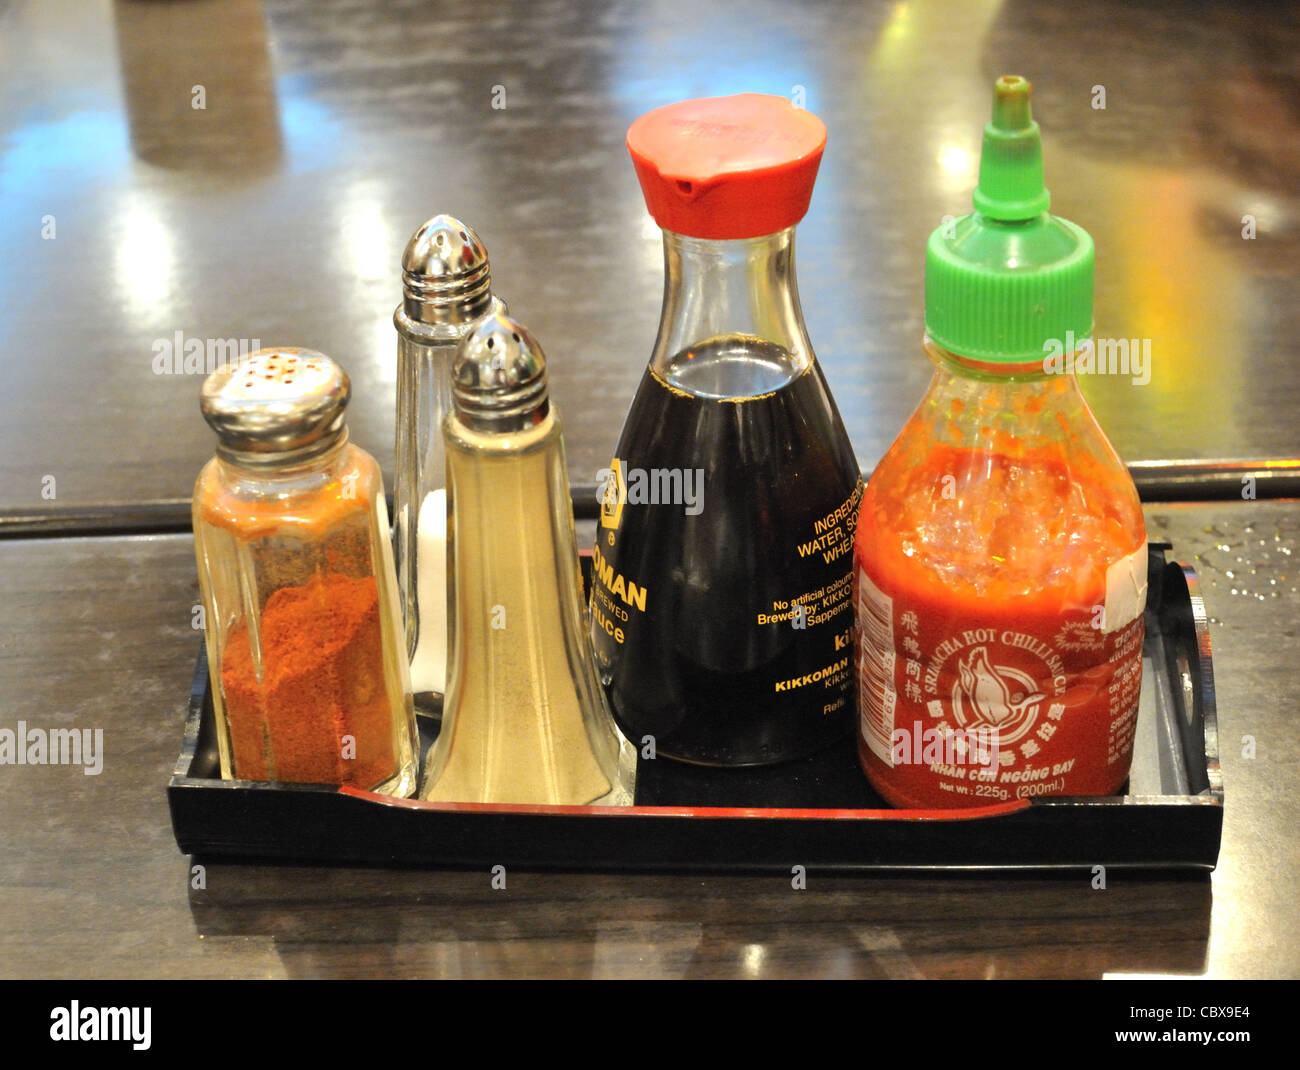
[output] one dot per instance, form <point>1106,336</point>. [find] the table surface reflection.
<point>136,222</point>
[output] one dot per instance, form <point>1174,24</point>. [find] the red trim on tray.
<point>971,814</point>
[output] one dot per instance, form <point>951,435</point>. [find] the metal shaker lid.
<point>446,277</point>
<point>277,406</point>
<point>498,379</point>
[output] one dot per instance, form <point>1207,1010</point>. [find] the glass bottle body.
<point>303,631</point>
<point>424,356</point>
<point>1000,581</point>
<point>720,604</point>
<point>524,719</point>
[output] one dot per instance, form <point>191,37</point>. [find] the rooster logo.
<point>999,696</point>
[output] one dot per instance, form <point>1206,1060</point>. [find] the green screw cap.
<point>1002,281</point>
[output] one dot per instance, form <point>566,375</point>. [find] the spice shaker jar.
<point>304,638</point>
<point>525,719</point>
<point>446,290</point>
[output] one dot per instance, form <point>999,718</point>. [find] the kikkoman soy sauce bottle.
<point>1001,553</point>
<point>721,593</point>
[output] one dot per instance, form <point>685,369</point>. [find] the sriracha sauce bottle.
<point>1000,555</point>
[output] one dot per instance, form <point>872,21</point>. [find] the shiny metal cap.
<point>446,279</point>
<point>277,406</point>
<point>498,380</point>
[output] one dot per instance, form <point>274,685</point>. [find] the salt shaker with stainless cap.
<point>303,630</point>
<point>446,291</point>
<point>525,719</point>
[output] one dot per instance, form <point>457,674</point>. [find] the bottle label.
<point>722,574</point>
<point>1126,591</point>
<point>1011,705</point>
<point>876,668</point>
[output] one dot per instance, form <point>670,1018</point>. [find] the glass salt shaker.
<point>304,638</point>
<point>525,719</point>
<point>446,290</point>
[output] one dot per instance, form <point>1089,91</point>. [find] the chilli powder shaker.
<point>304,639</point>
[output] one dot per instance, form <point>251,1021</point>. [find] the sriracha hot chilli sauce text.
<point>1000,554</point>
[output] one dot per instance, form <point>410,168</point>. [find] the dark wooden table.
<point>96,633</point>
<point>278,212</point>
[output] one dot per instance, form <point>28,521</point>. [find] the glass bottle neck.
<point>290,477</point>
<point>731,324</point>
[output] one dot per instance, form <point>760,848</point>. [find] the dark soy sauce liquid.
<point>695,669</point>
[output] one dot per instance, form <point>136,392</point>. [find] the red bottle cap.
<point>727,167</point>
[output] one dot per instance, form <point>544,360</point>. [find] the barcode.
<point>876,695</point>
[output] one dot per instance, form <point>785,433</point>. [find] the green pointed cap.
<point>1009,277</point>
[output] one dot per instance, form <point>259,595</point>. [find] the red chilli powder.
<point>323,680</point>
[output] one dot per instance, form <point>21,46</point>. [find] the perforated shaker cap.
<point>446,278</point>
<point>278,406</point>
<point>498,379</point>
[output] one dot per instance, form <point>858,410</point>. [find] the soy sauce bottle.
<point>721,594</point>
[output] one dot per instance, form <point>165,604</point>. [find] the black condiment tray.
<point>819,813</point>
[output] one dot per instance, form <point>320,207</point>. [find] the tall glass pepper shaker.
<point>720,601</point>
<point>304,639</point>
<point>525,719</point>
<point>446,290</point>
